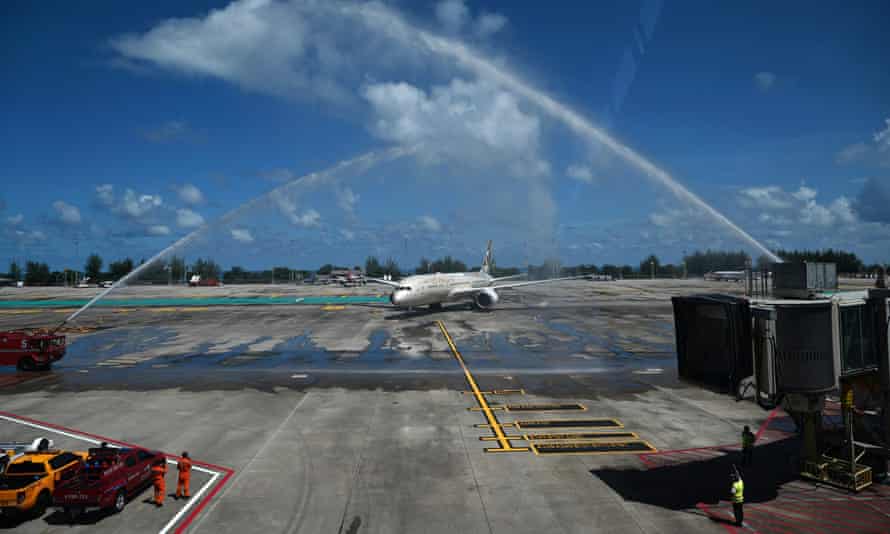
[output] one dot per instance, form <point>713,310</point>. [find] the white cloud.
<point>190,194</point>
<point>582,173</point>
<point>765,80</point>
<point>452,14</point>
<point>187,218</point>
<point>67,213</point>
<point>490,23</point>
<point>771,197</point>
<point>135,205</point>
<point>473,122</point>
<point>346,198</point>
<point>15,220</point>
<point>804,193</point>
<point>170,131</point>
<point>816,214</point>
<point>843,209</point>
<point>428,222</point>
<point>288,208</point>
<point>158,230</point>
<point>288,49</point>
<point>105,194</point>
<point>348,235</point>
<point>242,235</point>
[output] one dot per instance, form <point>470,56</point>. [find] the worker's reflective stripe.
<point>738,491</point>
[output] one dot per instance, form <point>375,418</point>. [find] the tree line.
<point>175,269</point>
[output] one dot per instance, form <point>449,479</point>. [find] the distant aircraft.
<point>725,276</point>
<point>433,290</point>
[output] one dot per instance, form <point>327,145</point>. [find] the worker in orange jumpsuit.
<point>185,474</point>
<point>158,471</point>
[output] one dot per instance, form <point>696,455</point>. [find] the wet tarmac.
<point>354,418</point>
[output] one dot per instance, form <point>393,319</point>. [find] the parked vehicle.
<point>30,479</point>
<point>109,478</point>
<point>31,351</point>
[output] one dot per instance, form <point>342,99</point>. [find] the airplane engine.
<point>486,299</point>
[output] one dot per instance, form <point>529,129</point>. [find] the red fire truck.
<point>31,351</point>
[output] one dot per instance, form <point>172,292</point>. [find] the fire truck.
<point>31,351</point>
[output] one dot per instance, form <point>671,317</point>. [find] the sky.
<point>556,131</point>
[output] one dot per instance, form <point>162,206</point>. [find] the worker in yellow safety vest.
<point>738,498</point>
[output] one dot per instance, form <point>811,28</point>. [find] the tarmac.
<point>355,418</point>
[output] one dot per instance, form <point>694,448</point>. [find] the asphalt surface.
<point>355,418</point>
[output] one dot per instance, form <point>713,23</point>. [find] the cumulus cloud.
<point>882,142</point>
<point>474,122</point>
<point>764,80</point>
<point>804,193</point>
<point>158,230</point>
<point>187,218</point>
<point>764,197</point>
<point>428,222</point>
<point>242,235</point>
<point>348,235</point>
<point>190,194</point>
<point>288,208</point>
<point>131,204</point>
<point>15,220</point>
<point>66,213</point>
<point>582,173</point>
<point>290,49</point>
<point>105,194</point>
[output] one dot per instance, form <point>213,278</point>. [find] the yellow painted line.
<point>494,438</point>
<point>333,308</point>
<point>568,423</point>
<point>582,435</point>
<point>505,445</point>
<point>534,447</point>
<point>494,408</point>
<point>569,407</point>
<point>498,392</point>
<point>498,424</point>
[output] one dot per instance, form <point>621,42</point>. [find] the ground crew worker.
<point>738,498</point>
<point>158,471</point>
<point>185,474</point>
<point>747,446</point>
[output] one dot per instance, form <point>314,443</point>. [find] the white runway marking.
<point>214,475</point>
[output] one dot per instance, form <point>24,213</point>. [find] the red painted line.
<point>766,423</point>
<point>766,523</point>
<point>184,524</point>
<point>206,500</point>
<point>732,529</point>
<point>839,513</point>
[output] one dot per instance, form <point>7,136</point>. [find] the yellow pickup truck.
<point>29,480</point>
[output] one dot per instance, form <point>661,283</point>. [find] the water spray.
<point>363,162</point>
<point>395,26</point>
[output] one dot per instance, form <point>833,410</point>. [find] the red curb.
<point>184,524</point>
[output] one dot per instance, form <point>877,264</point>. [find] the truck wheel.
<point>120,500</point>
<point>26,364</point>
<point>44,500</point>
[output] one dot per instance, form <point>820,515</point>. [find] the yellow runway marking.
<point>333,308</point>
<point>501,438</point>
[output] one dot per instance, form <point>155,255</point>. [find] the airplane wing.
<point>382,281</point>
<point>511,277</point>
<point>466,291</point>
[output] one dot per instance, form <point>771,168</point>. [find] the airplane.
<point>435,289</point>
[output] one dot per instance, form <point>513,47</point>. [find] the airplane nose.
<point>392,298</point>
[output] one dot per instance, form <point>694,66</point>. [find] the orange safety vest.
<point>185,467</point>
<point>158,472</point>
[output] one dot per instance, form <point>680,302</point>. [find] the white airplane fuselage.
<point>438,288</point>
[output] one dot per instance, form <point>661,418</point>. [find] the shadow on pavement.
<point>680,486</point>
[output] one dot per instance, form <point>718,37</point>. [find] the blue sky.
<point>127,127</point>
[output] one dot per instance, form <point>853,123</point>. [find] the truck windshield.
<point>26,468</point>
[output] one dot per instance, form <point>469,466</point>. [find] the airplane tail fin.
<point>487,260</point>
